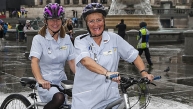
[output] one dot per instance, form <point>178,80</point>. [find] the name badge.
<point>63,47</point>
<point>108,52</point>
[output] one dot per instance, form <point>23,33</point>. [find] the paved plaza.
<point>173,91</point>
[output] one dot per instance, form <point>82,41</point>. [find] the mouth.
<point>96,29</point>
<point>55,27</point>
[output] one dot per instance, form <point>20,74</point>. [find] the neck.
<point>98,40</point>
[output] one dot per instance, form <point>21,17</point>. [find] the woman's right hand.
<point>45,84</point>
<point>116,79</point>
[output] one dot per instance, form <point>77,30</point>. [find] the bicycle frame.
<point>35,103</point>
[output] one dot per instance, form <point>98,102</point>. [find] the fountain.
<point>133,12</point>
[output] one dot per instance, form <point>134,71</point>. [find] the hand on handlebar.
<point>45,84</point>
<point>114,76</point>
<point>150,77</point>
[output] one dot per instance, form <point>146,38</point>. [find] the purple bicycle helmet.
<point>53,10</point>
<point>92,8</point>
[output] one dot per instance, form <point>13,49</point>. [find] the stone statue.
<point>137,7</point>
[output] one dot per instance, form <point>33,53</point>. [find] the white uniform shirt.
<point>52,56</point>
<point>92,90</point>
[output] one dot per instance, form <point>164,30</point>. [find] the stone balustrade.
<point>188,43</point>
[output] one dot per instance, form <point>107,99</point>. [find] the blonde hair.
<point>42,31</point>
<point>67,22</point>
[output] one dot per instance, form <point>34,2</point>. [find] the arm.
<point>91,65</point>
<point>37,74</point>
<point>72,65</point>
<point>140,65</point>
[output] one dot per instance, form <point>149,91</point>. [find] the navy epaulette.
<point>83,36</point>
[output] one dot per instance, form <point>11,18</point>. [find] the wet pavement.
<point>174,90</point>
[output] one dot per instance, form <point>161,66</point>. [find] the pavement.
<point>173,91</point>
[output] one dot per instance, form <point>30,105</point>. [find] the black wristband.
<point>143,71</point>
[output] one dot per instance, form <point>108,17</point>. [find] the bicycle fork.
<point>126,100</point>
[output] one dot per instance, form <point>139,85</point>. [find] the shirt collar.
<point>106,38</point>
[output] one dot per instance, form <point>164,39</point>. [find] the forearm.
<point>71,64</point>
<point>91,65</point>
<point>140,65</point>
<point>36,69</point>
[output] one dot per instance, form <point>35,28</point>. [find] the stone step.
<point>132,21</point>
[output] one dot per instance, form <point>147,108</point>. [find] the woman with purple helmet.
<point>97,57</point>
<point>50,49</point>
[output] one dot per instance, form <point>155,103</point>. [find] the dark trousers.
<point>147,55</point>
<point>21,36</point>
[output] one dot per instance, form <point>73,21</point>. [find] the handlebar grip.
<point>112,76</point>
<point>157,77</point>
<point>51,85</point>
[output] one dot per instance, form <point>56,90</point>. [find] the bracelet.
<point>143,71</point>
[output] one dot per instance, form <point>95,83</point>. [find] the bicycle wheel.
<point>15,101</point>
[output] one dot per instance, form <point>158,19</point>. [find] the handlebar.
<point>127,82</point>
<point>65,91</point>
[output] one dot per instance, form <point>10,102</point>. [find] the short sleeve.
<point>81,49</point>
<point>129,54</point>
<point>36,48</point>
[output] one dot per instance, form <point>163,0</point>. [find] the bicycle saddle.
<point>67,84</point>
<point>28,81</point>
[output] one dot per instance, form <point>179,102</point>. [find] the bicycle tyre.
<point>15,100</point>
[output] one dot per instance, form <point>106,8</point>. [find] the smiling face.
<point>95,23</point>
<point>54,24</point>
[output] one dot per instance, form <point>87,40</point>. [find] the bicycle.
<point>17,100</point>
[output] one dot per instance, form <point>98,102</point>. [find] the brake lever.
<point>155,78</point>
<point>153,84</point>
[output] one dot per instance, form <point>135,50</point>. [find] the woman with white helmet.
<point>51,48</point>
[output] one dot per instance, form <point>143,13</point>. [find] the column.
<point>44,2</point>
<point>98,1</point>
<point>188,51</point>
<point>71,2</point>
<point>89,1</point>
<point>52,1</point>
<point>80,2</point>
<point>131,37</point>
<point>109,2</point>
<point>61,2</point>
<point>36,2</point>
